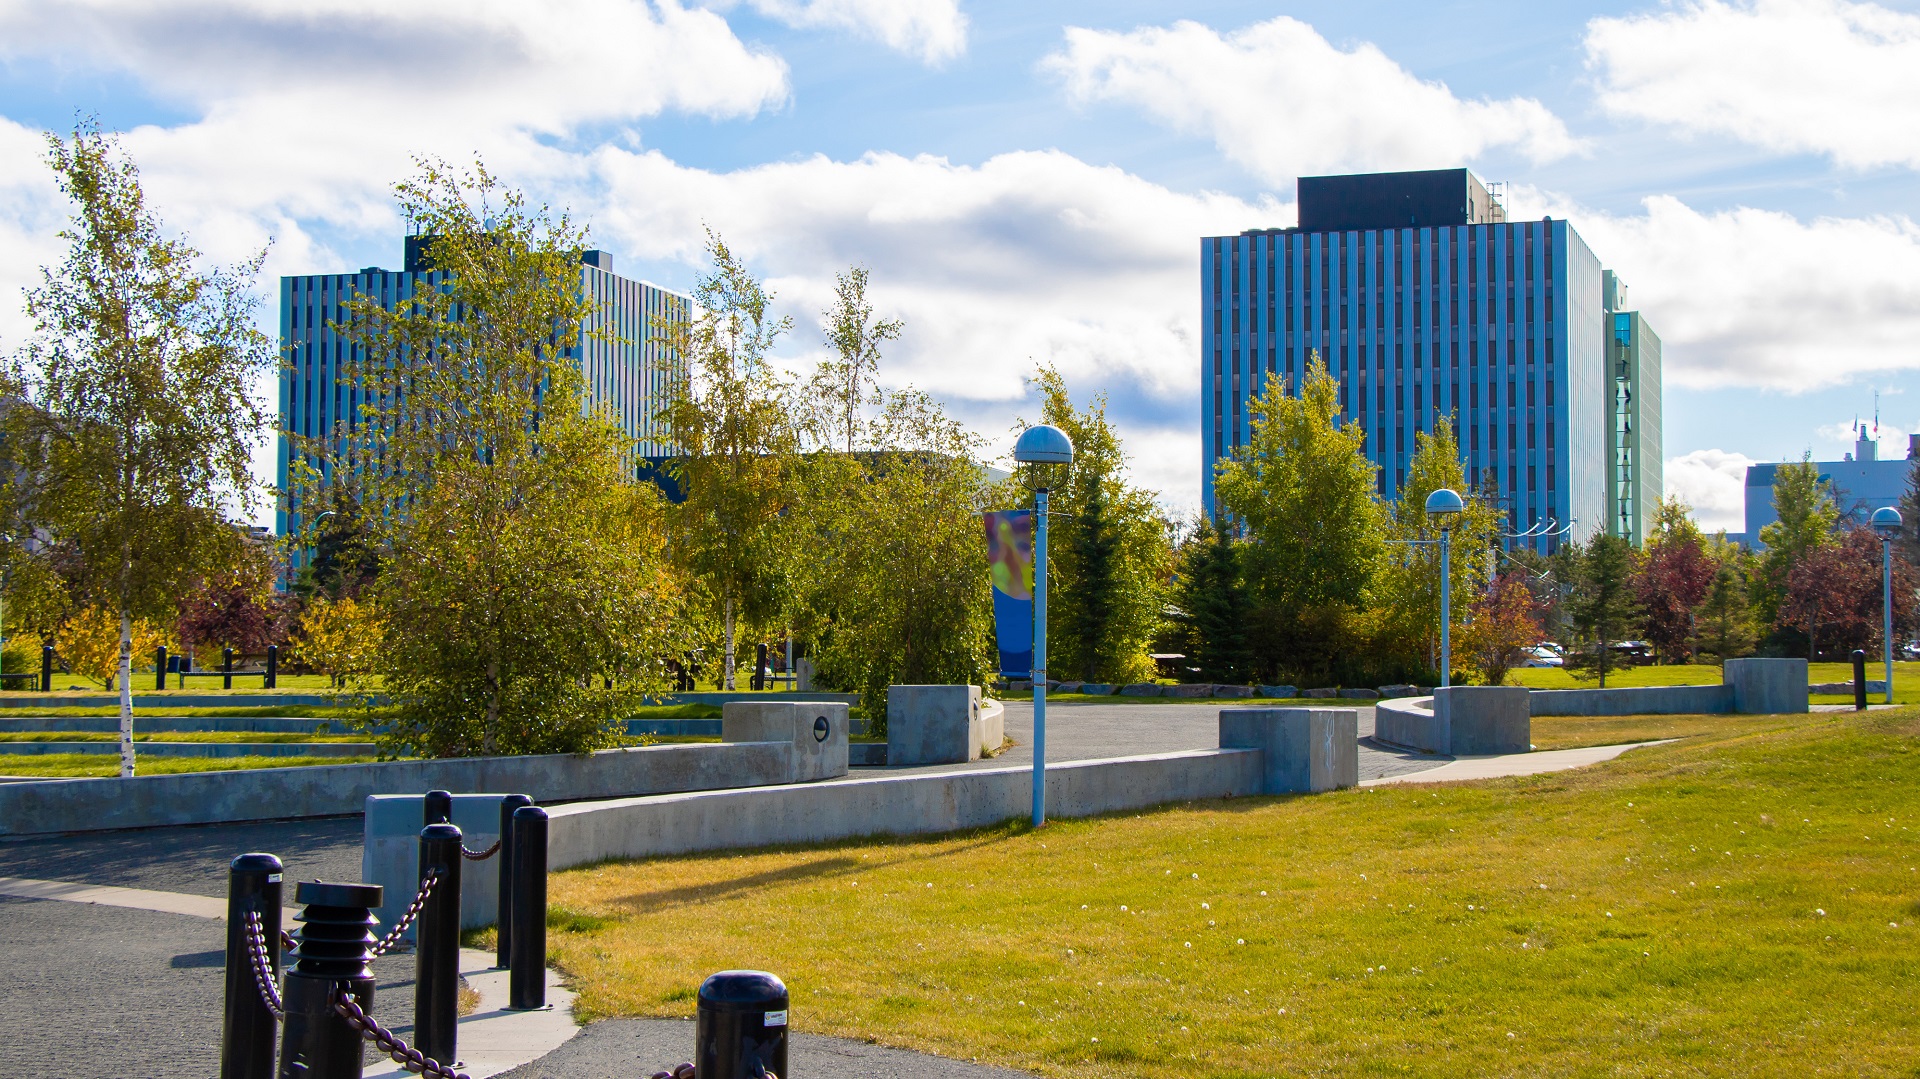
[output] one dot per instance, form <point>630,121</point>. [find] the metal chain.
<point>287,941</point>
<point>391,1044</point>
<point>413,911</point>
<point>262,971</point>
<point>687,1071</point>
<point>480,855</point>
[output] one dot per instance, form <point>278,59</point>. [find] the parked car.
<point>1545,655</point>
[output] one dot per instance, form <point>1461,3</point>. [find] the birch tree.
<point>136,429</point>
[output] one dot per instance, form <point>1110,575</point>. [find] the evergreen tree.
<point>1723,625</point>
<point>1094,551</point>
<point>1806,515</point>
<point>1212,596</point>
<point>1601,604</point>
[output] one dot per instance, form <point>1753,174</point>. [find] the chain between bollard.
<point>413,911</point>
<point>262,972</point>
<point>480,855</point>
<point>391,1044</point>
<point>684,1071</point>
<point>288,942</point>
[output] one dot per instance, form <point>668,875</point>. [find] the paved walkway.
<point>1461,769</point>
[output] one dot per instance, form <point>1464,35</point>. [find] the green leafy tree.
<point>1407,591</point>
<point>1304,491</point>
<point>1601,604</point>
<point>1216,610</point>
<point>896,589</point>
<point>135,428</point>
<point>847,383</point>
<point>1110,557</point>
<point>524,577</point>
<point>1806,515</point>
<point>730,418</point>
<point>1503,625</point>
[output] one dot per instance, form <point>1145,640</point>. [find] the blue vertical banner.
<point>1010,562</point>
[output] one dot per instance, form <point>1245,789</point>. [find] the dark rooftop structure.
<point>1395,200</point>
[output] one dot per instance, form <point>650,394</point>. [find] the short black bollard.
<point>246,1037</point>
<point>437,809</point>
<point>436,994</point>
<point>226,668</point>
<point>273,666</point>
<point>527,959</point>
<point>160,667</point>
<point>503,914</point>
<point>741,1028</point>
<point>46,668</point>
<point>1859,680</point>
<point>336,943</point>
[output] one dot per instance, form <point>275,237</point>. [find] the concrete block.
<point>993,726</point>
<point>1410,722</point>
<point>816,731</point>
<point>867,754</point>
<point>1141,689</point>
<point>1360,694</point>
<point>1874,685</point>
<point>390,856</point>
<point>1321,694</point>
<point>1190,689</point>
<point>1233,691</point>
<point>1767,686</point>
<point>1303,749</point>
<point>1098,689</point>
<point>933,725</point>
<point>1633,701</point>
<point>1482,720</point>
<point>1278,693</point>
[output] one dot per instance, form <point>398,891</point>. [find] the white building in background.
<point>1861,483</point>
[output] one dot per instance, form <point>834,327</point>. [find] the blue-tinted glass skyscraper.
<point>1423,300</point>
<point>625,367</point>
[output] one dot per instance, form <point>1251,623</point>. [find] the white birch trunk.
<point>126,695</point>
<point>727,619</point>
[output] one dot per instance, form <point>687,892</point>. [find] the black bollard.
<point>436,994</point>
<point>740,1031</point>
<point>246,1037</point>
<point>1859,680</point>
<point>527,959</point>
<point>273,666</point>
<point>438,808</point>
<point>160,667</point>
<point>46,668</point>
<point>226,667</point>
<point>336,942</point>
<point>503,913</point>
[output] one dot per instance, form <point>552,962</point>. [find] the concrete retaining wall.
<point>1633,701</point>
<point>196,749</point>
<point>889,805</point>
<point>1410,722</point>
<point>86,805</point>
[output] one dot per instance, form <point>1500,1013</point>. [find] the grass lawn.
<point>1574,732</point>
<point>1906,678</point>
<point>86,765</point>
<point>1741,903</point>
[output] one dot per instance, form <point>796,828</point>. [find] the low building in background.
<point>1860,483</point>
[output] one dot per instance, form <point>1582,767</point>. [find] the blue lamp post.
<point>1886,521</point>
<point>1042,445</point>
<point>1443,505</point>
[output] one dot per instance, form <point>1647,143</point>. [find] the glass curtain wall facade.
<point>625,368</point>
<point>1498,324</point>
<point>1633,429</point>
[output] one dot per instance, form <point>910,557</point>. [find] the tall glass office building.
<point>1424,301</point>
<point>625,367</point>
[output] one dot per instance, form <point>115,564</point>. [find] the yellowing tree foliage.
<point>339,638</point>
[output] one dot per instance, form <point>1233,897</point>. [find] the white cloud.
<point>1026,258</point>
<point>933,30</point>
<point>1748,297</point>
<point>1818,76</point>
<point>1713,482</point>
<point>1281,100</point>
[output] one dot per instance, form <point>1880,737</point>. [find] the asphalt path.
<point>638,1048</point>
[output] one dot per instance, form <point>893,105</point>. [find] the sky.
<point>1027,183</point>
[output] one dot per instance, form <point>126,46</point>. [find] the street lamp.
<point>1442,505</point>
<point>1886,521</point>
<point>1042,445</point>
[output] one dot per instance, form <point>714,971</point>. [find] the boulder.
<point>1190,689</point>
<point>1320,693</point>
<point>1064,687</point>
<point>1360,694</point>
<point>1233,691</point>
<point>1277,693</point>
<point>1141,689</point>
<point>1098,689</point>
<point>1389,692</point>
<point>1019,685</point>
